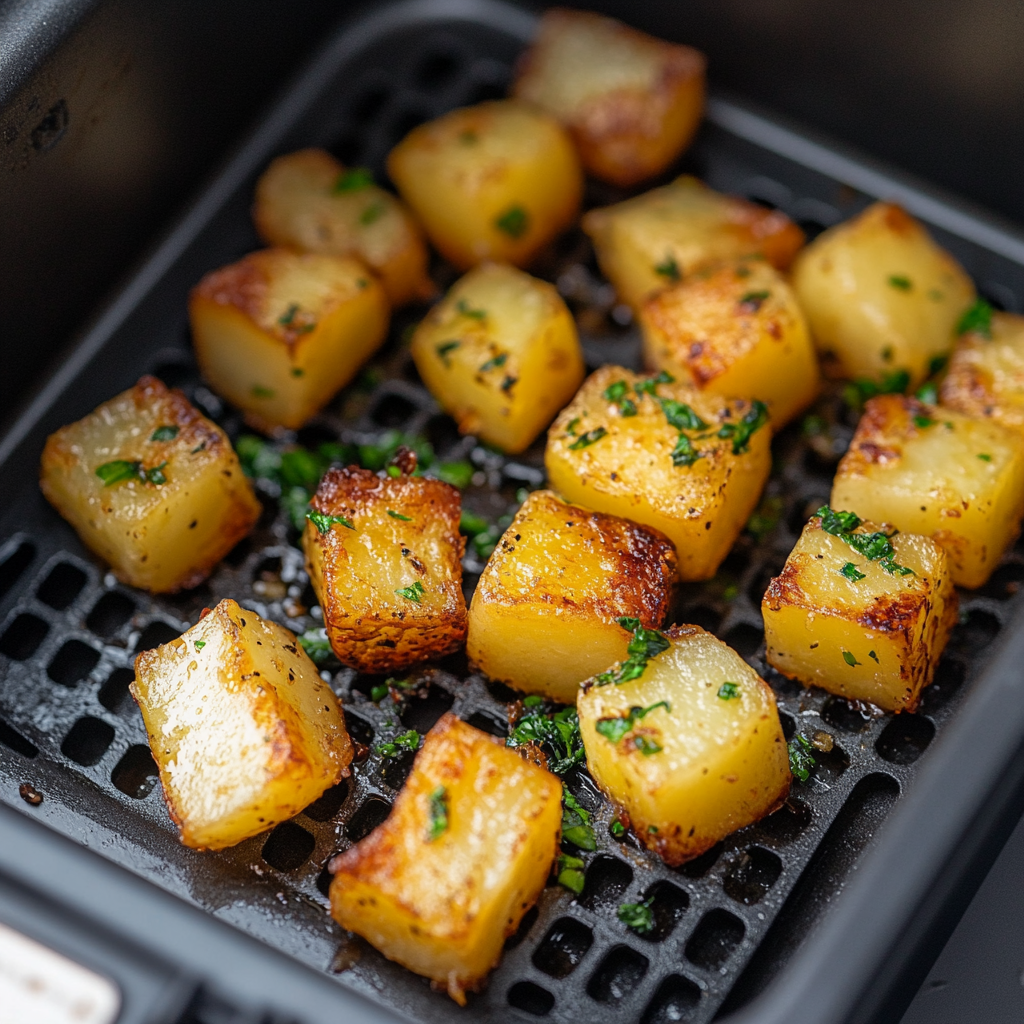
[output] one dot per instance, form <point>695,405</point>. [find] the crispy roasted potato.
<point>464,854</point>
<point>692,749</point>
<point>279,332</point>
<point>691,465</point>
<point>152,487</point>
<point>384,555</point>
<point>545,612</point>
<point>496,181</point>
<point>936,472</point>
<point>310,202</point>
<point>244,731</point>
<point>986,373</point>
<point>500,353</point>
<point>662,236</point>
<point>734,330</point>
<point>865,628</point>
<point>880,296</point>
<point>631,102</point>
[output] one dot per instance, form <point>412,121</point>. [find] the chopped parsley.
<point>892,382</point>
<point>752,301</point>
<point>617,393</point>
<point>122,469</point>
<point>570,873</point>
<point>164,434</point>
<point>407,741</point>
<point>668,268</point>
<point>414,592</point>
<point>445,349</point>
<point>514,222</point>
<point>259,391</point>
<point>937,363</point>
<point>638,916</point>
<point>618,829</point>
<point>874,657</point>
<point>297,371</point>
<point>649,385</point>
<point>398,515</point>
<point>315,643</point>
<point>576,827</point>
<point>200,644</point>
<point>613,729</point>
<point>851,572</point>
<point>372,214</point>
<point>740,433</point>
<point>729,691</point>
<point>922,422</point>
<point>900,282</point>
<point>379,692</point>
<point>984,456</point>
<point>977,319</point>
<point>495,362</point>
<point>646,644</point>
<point>323,522</point>
<point>458,474</point>
<point>463,308</point>
<point>587,439</point>
<point>684,454</point>
<point>438,814</point>
<point>680,415</point>
<point>352,180</point>
<point>876,547</point>
<point>851,659</point>
<point>557,732</point>
<point>572,425</point>
<point>801,761</point>
<point>928,393</point>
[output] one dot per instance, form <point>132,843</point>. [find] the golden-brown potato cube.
<point>734,330</point>
<point>880,296</point>
<point>496,181</point>
<point>936,472</point>
<point>631,102</point>
<point>501,354</point>
<point>986,373</point>
<point>666,455</point>
<point>279,332</point>
<point>463,855</point>
<point>662,236</point>
<point>151,486</point>
<point>384,555</point>
<point>310,202</point>
<point>865,628</point>
<point>545,613</point>
<point>244,731</point>
<point>692,748</point>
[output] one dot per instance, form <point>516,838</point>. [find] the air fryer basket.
<point>725,923</point>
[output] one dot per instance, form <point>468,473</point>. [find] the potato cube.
<point>151,486</point>
<point>463,855</point>
<point>692,748</point>
<point>496,181</point>
<point>500,353</point>
<point>734,330</point>
<point>545,613</point>
<point>880,296</point>
<point>666,455</point>
<point>273,738</point>
<point>279,332</point>
<point>986,373</point>
<point>661,237</point>
<point>936,472</point>
<point>384,555</point>
<point>631,102</point>
<point>310,202</point>
<point>865,628</point>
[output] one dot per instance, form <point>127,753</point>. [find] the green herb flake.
<point>164,434</point>
<point>977,319</point>
<point>438,814</point>
<point>414,592</point>
<point>645,644</point>
<point>458,474</point>
<point>352,180</point>
<point>740,433</point>
<point>668,268</point>
<point>379,692</point>
<point>570,429</point>
<point>728,691</point>
<point>393,471</point>
<point>587,439</point>
<point>850,659</point>
<point>372,214</point>
<point>923,422</point>
<point>614,729</point>
<point>984,456</point>
<point>472,524</point>
<point>617,394</point>
<point>445,349</point>
<point>259,391</point>
<point>900,282</point>
<point>851,572</point>
<point>287,318</point>
<point>514,222</point>
<point>638,916</point>
<point>684,453</point>
<point>407,741</point>
<point>468,137</point>
<point>495,362</point>
<point>558,733</point>
<point>200,644</point>
<point>315,643</point>
<point>928,393</point>
<point>118,470</point>
<point>618,829</point>
<point>874,657</point>
<point>297,371</point>
<point>801,761</point>
<point>680,415</point>
<point>649,385</point>
<point>463,308</point>
<point>653,829</point>
<point>752,301</point>
<point>936,364</point>
<point>398,515</point>
<point>323,522</point>
<point>876,547</point>
<point>576,827</point>
<point>570,873</point>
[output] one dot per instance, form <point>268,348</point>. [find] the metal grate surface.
<point>69,632</point>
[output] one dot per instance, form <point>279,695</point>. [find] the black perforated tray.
<point>725,923</point>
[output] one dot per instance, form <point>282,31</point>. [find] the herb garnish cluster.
<point>875,547</point>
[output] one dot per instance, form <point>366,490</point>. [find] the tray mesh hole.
<point>87,741</point>
<point>13,740</point>
<point>564,946</point>
<point>606,880</point>
<point>72,663</point>
<point>396,769</point>
<point>23,636</point>
<point>324,879</point>
<point>668,904</point>
<point>845,715</point>
<point>525,925</point>
<point>788,822</point>
<point>327,805</point>
<point>369,103</point>
<point>424,707</point>
<point>110,613</point>
<point>751,874</point>
<point>14,564</point>
<point>392,411</point>
<point>156,634</point>
<point>487,723</point>
<point>618,975</point>
<point>676,999</point>
<point>135,774</point>
<point>288,847</point>
<point>1005,582</point>
<point>700,866</point>
<point>114,694</point>
<point>949,677</point>
<point>978,629</point>
<point>63,584</point>
<point>371,814</point>
<point>714,939</point>
<point>905,739</point>
<point>358,728</point>
<point>437,69</point>
<point>531,998</point>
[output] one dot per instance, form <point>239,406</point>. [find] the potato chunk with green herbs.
<point>463,855</point>
<point>496,181</point>
<point>685,737</point>
<point>734,330</point>
<point>279,332</point>
<point>500,353</point>
<point>545,612</point>
<point>310,202</point>
<point>880,296</point>
<point>151,486</point>
<point>244,731</point>
<point>662,236</point>
<point>860,613</point>
<point>936,472</point>
<point>986,373</point>
<point>631,102</point>
<point>384,555</point>
<point>666,455</point>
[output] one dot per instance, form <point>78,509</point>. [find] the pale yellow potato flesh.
<point>496,181</point>
<point>722,763</point>
<point>444,906</point>
<point>631,102</point>
<point>309,201</point>
<point>953,478</point>
<point>357,570</point>
<point>545,612</point>
<point>243,730</point>
<point>628,471</point>
<point>500,353</point>
<point>161,537</point>
<point>876,639</point>
<point>279,333</point>
<point>880,296</point>
<point>735,330</point>
<point>986,374</point>
<point>660,237</point>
